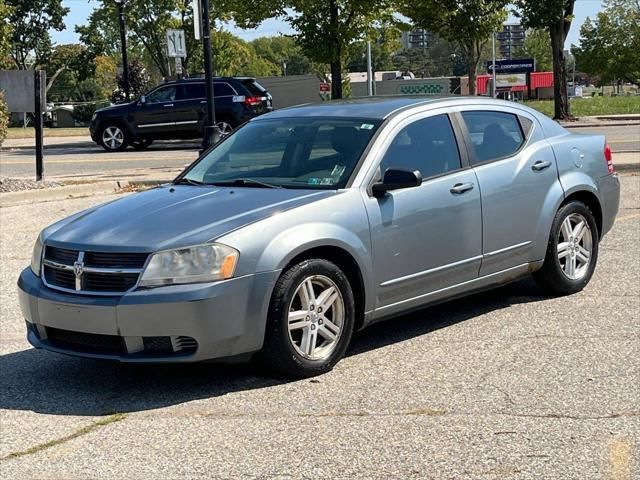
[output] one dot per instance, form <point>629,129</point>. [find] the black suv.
<point>177,110</point>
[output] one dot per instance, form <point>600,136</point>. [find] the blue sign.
<point>516,65</point>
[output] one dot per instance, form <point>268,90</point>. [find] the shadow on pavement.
<point>44,382</point>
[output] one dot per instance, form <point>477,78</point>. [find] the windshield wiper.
<point>246,182</point>
<point>188,181</point>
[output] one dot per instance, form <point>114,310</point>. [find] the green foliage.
<point>383,49</point>
<point>277,50</point>
<point>468,23</point>
<point>597,105</point>
<point>31,21</point>
<point>610,45</point>
<point>83,113</point>
<point>5,31</point>
<point>4,118</point>
<point>537,45</point>
<point>326,28</point>
<point>139,81</point>
<point>69,63</point>
<point>554,17</point>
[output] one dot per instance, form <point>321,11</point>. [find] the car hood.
<point>173,216</point>
<point>116,107</point>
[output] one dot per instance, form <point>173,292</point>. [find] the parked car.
<point>312,222</point>
<point>177,110</point>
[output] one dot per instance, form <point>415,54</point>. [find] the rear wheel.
<point>113,138</point>
<point>224,128</point>
<point>311,319</point>
<point>572,251</point>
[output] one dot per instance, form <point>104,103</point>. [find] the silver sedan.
<point>312,222</point>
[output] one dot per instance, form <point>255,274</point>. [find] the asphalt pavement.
<point>504,384</point>
<point>79,157</point>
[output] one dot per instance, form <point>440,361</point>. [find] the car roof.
<point>201,79</point>
<point>379,107</point>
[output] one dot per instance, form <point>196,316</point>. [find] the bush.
<point>83,113</point>
<point>4,118</point>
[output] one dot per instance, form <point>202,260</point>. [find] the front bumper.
<point>186,323</point>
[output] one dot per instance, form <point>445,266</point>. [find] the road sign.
<point>325,87</point>
<point>176,44</point>
<point>516,65</point>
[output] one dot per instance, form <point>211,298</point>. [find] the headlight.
<point>202,263</point>
<point>36,256</point>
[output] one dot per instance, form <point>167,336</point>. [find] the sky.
<point>79,10</point>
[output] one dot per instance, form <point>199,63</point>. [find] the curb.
<point>50,147</point>
<point>25,197</point>
<point>570,125</point>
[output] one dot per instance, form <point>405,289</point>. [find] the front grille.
<point>99,273</point>
<point>85,342</point>
<point>60,278</point>
<point>115,260</point>
<point>109,282</point>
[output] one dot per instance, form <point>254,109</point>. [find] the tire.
<point>225,128</point>
<point>574,238</point>
<point>142,144</point>
<point>114,137</point>
<point>307,349</point>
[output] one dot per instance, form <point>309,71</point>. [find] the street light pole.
<point>493,68</point>
<point>211,134</point>
<point>123,46</point>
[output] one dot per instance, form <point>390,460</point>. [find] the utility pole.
<point>123,46</point>
<point>493,68</point>
<point>211,133</point>
<point>369,70</point>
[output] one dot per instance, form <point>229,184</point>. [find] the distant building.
<point>419,38</point>
<point>510,38</point>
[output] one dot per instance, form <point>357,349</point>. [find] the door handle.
<point>459,188</point>
<point>540,165</point>
<point>168,105</point>
<point>203,101</point>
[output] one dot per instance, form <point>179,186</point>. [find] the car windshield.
<point>288,152</point>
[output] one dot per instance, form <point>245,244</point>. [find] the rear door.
<point>518,179</point>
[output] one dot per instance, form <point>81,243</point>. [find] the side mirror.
<point>143,100</point>
<point>396,179</point>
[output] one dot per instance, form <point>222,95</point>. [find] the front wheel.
<point>311,318</point>
<point>572,251</point>
<point>113,138</point>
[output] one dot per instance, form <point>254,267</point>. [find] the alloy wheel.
<point>316,317</point>
<point>113,137</point>
<point>224,128</point>
<point>575,245</point>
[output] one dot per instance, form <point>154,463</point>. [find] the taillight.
<point>252,101</point>
<point>608,158</point>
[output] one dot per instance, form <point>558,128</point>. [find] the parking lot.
<point>503,384</point>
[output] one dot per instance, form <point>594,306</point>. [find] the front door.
<point>157,114</point>
<point>425,238</point>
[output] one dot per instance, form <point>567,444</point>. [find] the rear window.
<point>494,135</point>
<point>254,88</point>
<point>223,90</point>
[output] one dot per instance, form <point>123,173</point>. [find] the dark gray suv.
<point>177,110</point>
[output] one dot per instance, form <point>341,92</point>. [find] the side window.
<point>192,91</point>
<point>223,90</point>
<point>162,94</point>
<point>428,145</point>
<point>494,135</point>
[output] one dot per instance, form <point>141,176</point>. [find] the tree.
<point>138,81</point>
<point>5,31</point>
<point>609,46</point>
<point>326,28</point>
<point>537,45</point>
<point>31,21</point>
<point>553,16</point>
<point>68,57</point>
<point>384,47</point>
<point>280,49</point>
<point>467,23</point>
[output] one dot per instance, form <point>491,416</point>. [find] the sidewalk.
<point>49,142</point>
